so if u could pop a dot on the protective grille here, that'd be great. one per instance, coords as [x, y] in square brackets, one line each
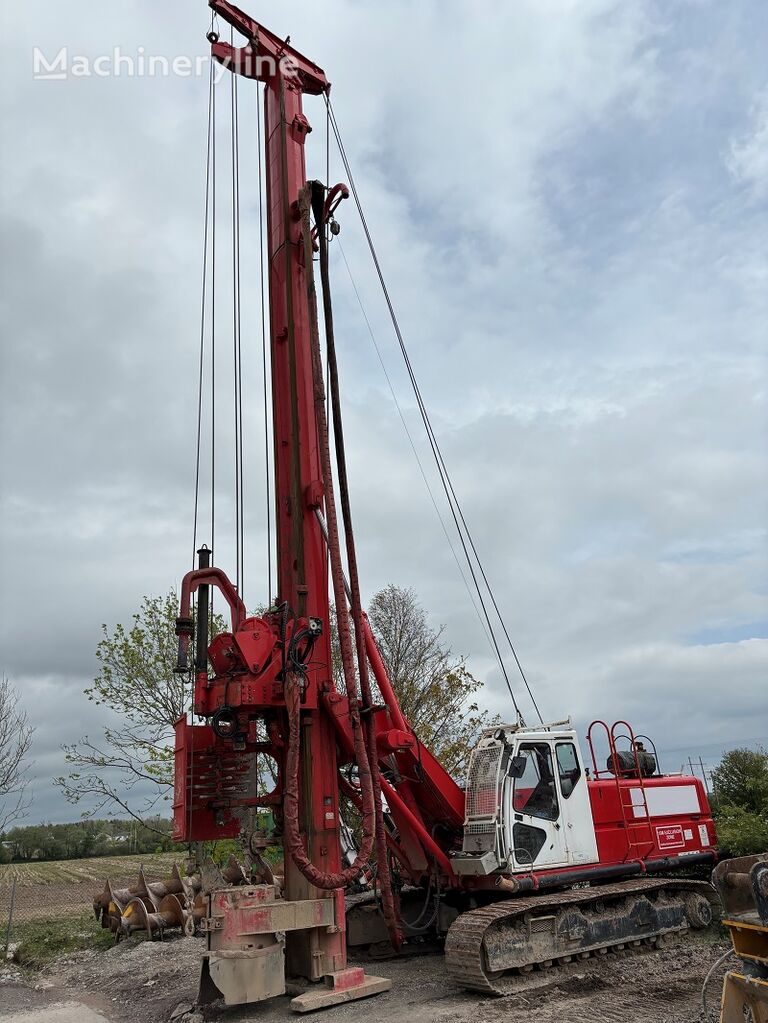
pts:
[483, 782]
[483, 828]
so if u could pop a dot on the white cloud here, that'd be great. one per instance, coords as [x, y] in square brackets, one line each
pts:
[584, 295]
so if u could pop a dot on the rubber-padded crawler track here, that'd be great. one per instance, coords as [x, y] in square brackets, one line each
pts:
[464, 949]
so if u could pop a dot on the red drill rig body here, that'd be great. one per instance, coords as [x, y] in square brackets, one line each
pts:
[492, 863]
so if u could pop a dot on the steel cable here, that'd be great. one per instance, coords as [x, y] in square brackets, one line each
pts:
[210, 143]
[462, 529]
[236, 331]
[265, 370]
[715, 965]
[203, 291]
[411, 440]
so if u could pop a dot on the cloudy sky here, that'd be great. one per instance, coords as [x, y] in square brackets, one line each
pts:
[569, 202]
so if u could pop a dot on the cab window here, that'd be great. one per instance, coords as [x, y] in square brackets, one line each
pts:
[529, 842]
[567, 767]
[534, 791]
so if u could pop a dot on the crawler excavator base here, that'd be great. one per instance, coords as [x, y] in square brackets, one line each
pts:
[488, 949]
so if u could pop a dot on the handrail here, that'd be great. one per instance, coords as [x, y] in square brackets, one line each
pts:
[638, 781]
[648, 739]
[595, 770]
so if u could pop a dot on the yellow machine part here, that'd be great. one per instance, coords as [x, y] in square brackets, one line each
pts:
[750, 940]
[745, 1000]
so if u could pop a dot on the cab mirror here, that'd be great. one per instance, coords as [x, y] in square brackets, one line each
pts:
[516, 767]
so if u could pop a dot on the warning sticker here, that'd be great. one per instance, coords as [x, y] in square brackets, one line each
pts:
[670, 836]
[703, 836]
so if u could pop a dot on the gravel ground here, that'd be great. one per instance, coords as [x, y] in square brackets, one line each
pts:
[151, 981]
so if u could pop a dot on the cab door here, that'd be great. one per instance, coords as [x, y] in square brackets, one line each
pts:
[538, 836]
[575, 809]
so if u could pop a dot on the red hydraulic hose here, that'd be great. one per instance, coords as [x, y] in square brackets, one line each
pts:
[293, 840]
[292, 833]
[382, 855]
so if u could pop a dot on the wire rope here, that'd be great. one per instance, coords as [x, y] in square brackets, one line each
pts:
[264, 361]
[411, 440]
[704, 1007]
[236, 329]
[460, 523]
[213, 337]
[210, 146]
[202, 317]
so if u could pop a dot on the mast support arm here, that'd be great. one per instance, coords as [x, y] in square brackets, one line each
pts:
[265, 55]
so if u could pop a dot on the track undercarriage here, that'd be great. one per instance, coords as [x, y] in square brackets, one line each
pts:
[486, 948]
[491, 949]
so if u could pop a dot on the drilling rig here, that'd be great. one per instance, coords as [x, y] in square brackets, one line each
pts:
[538, 859]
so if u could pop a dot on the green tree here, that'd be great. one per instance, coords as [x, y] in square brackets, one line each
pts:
[435, 689]
[24, 843]
[741, 801]
[129, 767]
[741, 833]
[87, 838]
[741, 779]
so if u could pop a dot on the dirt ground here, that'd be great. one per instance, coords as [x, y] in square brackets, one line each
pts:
[152, 982]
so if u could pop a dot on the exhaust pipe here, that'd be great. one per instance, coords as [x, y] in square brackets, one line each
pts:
[507, 884]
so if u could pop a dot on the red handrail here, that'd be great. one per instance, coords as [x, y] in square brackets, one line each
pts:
[638, 778]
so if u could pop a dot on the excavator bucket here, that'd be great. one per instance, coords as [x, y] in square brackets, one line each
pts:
[742, 884]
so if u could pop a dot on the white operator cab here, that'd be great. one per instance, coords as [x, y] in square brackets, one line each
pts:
[527, 802]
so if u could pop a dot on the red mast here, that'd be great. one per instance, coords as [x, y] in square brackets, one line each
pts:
[302, 582]
[273, 674]
[267, 688]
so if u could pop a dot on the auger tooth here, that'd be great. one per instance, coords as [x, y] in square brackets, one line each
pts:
[101, 901]
[172, 912]
[234, 873]
[138, 915]
[108, 905]
[140, 886]
[174, 901]
[134, 918]
[152, 891]
[175, 883]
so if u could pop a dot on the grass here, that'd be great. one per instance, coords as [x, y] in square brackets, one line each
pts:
[96, 868]
[40, 942]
